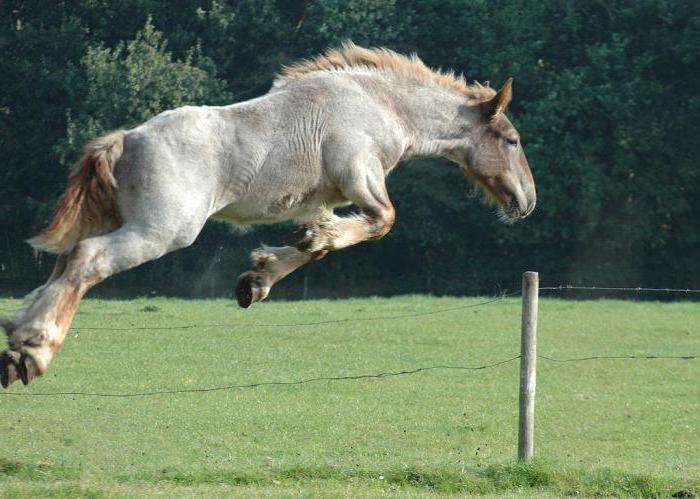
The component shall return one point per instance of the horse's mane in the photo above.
(349, 56)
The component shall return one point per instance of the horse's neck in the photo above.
(435, 119)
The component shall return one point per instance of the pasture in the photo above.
(603, 427)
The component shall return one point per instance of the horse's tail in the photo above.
(89, 205)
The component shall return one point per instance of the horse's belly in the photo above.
(279, 209)
(239, 215)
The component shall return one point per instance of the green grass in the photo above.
(603, 427)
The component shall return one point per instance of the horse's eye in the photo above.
(512, 142)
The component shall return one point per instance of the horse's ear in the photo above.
(498, 104)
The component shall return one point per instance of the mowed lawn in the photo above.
(603, 426)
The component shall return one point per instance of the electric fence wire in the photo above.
(385, 374)
(352, 377)
(303, 324)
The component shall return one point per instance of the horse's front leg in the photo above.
(362, 184)
(270, 264)
(328, 232)
(335, 233)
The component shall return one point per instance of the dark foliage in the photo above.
(606, 99)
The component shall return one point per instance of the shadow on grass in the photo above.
(20, 479)
(539, 477)
(32, 471)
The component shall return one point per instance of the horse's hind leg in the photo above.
(35, 336)
(59, 267)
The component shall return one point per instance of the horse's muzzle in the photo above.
(519, 206)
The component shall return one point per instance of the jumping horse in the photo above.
(326, 135)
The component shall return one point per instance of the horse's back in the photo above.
(170, 167)
(261, 160)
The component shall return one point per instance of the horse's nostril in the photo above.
(512, 208)
(530, 208)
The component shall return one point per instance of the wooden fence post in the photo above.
(528, 364)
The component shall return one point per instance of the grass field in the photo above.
(604, 427)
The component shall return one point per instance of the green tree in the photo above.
(133, 82)
(605, 98)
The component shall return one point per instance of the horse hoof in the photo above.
(15, 365)
(251, 287)
(244, 291)
(28, 368)
(9, 367)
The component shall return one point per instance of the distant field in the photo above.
(604, 427)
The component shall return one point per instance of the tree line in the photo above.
(605, 97)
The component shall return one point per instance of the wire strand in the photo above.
(563, 287)
(619, 357)
(361, 376)
(301, 324)
(354, 377)
(264, 383)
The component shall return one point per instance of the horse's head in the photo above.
(494, 158)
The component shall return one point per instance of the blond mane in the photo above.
(349, 56)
